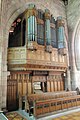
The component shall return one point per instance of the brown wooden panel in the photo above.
(46, 108)
(12, 101)
(69, 103)
(55, 83)
(39, 109)
(74, 103)
(48, 86)
(29, 88)
(62, 85)
(52, 106)
(78, 101)
(52, 89)
(64, 105)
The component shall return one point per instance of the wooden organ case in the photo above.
(37, 61)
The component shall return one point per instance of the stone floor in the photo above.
(72, 116)
(14, 116)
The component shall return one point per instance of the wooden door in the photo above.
(12, 98)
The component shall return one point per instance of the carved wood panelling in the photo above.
(17, 55)
(12, 95)
(34, 66)
(40, 73)
(23, 56)
(39, 78)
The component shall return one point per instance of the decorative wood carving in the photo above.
(50, 95)
(62, 51)
(32, 45)
(49, 48)
(30, 67)
(39, 78)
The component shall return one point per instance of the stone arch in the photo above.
(77, 47)
(5, 34)
(11, 10)
(75, 73)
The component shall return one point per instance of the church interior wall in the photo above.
(13, 10)
(73, 18)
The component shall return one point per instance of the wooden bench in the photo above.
(50, 102)
(50, 95)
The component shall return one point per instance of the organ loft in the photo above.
(38, 64)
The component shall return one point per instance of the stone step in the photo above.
(3, 117)
(23, 114)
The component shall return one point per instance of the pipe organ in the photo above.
(53, 32)
(47, 31)
(37, 62)
(61, 35)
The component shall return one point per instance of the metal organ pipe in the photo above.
(32, 28)
(47, 27)
(48, 33)
(60, 32)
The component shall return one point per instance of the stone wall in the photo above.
(10, 11)
(73, 17)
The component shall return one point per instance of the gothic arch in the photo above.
(77, 47)
(10, 11)
(75, 50)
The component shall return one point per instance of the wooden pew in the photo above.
(50, 102)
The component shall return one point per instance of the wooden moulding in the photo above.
(53, 105)
(48, 49)
(31, 12)
(60, 23)
(51, 95)
(30, 67)
(32, 45)
(62, 51)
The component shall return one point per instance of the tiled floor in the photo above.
(14, 116)
(72, 116)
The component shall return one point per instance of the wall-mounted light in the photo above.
(64, 74)
(11, 31)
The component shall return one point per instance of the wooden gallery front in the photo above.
(37, 61)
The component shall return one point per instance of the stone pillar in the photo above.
(75, 81)
(20, 102)
(3, 68)
(67, 80)
(34, 111)
(0, 60)
(26, 104)
(0, 77)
